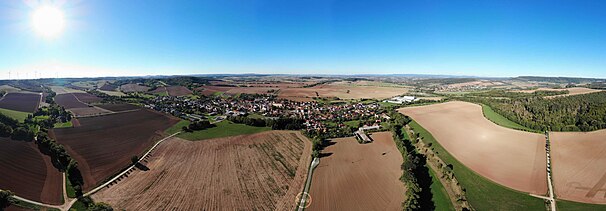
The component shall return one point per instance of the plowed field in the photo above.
(20, 102)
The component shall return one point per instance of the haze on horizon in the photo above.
(130, 38)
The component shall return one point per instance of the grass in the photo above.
(177, 127)
(256, 116)
(222, 129)
(352, 123)
(440, 196)
(482, 193)
(573, 206)
(41, 118)
(18, 115)
(78, 205)
(63, 124)
(69, 189)
(503, 121)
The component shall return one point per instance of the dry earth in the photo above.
(579, 166)
(512, 158)
(355, 176)
(343, 91)
(263, 171)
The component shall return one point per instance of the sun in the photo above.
(48, 21)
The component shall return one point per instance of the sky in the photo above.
(149, 37)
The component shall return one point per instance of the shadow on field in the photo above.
(325, 154)
(141, 167)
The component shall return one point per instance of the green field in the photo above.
(18, 115)
(440, 196)
(63, 124)
(502, 121)
(574, 206)
(482, 193)
(69, 189)
(353, 123)
(223, 129)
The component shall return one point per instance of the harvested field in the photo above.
(359, 176)
(210, 90)
(512, 158)
(108, 87)
(88, 111)
(133, 88)
(119, 107)
(172, 90)
(29, 173)
(571, 91)
(87, 98)
(21, 102)
(343, 91)
(103, 145)
(579, 166)
(263, 171)
(64, 90)
(69, 101)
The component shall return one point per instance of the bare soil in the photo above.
(263, 171)
(133, 88)
(343, 91)
(512, 158)
(20, 102)
(355, 176)
(579, 166)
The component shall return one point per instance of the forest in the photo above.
(572, 113)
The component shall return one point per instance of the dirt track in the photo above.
(509, 157)
(359, 176)
(263, 171)
(579, 165)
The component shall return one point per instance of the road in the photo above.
(313, 165)
(70, 201)
(551, 197)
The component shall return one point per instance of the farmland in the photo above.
(516, 158)
(352, 173)
(18, 115)
(133, 88)
(571, 91)
(28, 173)
(101, 155)
(263, 171)
(343, 91)
(69, 101)
(23, 102)
(172, 91)
(119, 107)
(223, 129)
(579, 166)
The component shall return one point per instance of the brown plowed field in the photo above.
(87, 98)
(119, 107)
(512, 158)
(359, 176)
(88, 111)
(133, 88)
(343, 91)
(69, 101)
(579, 166)
(173, 90)
(29, 173)
(263, 171)
(20, 102)
(210, 90)
(103, 145)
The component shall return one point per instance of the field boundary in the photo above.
(314, 163)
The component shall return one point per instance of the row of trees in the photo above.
(415, 173)
(15, 130)
(197, 125)
(572, 113)
(275, 124)
(61, 160)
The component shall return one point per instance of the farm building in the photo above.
(401, 100)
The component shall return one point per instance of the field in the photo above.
(223, 129)
(64, 90)
(133, 88)
(210, 90)
(342, 91)
(263, 171)
(88, 111)
(501, 120)
(28, 173)
(512, 158)
(18, 115)
(172, 91)
(355, 176)
(103, 145)
(579, 166)
(20, 102)
(87, 98)
(571, 91)
(69, 101)
(119, 107)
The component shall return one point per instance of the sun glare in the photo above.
(48, 21)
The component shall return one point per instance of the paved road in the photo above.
(313, 165)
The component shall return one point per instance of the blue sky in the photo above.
(137, 37)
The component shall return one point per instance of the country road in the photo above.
(305, 192)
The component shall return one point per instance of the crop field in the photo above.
(263, 171)
(133, 88)
(579, 166)
(355, 176)
(512, 158)
(20, 102)
(343, 91)
(65, 90)
(88, 111)
(172, 90)
(28, 173)
(69, 101)
(103, 145)
(210, 90)
(87, 98)
(571, 91)
(119, 107)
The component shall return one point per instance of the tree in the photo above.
(315, 154)
(134, 159)
(5, 130)
(100, 207)
(5, 199)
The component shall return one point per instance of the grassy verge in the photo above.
(222, 129)
(78, 205)
(503, 121)
(573, 206)
(63, 124)
(69, 189)
(440, 196)
(18, 115)
(177, 127)
(482, 193)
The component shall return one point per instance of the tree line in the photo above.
(571, 113)
(275, 124)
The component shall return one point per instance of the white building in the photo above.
(401, 100)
